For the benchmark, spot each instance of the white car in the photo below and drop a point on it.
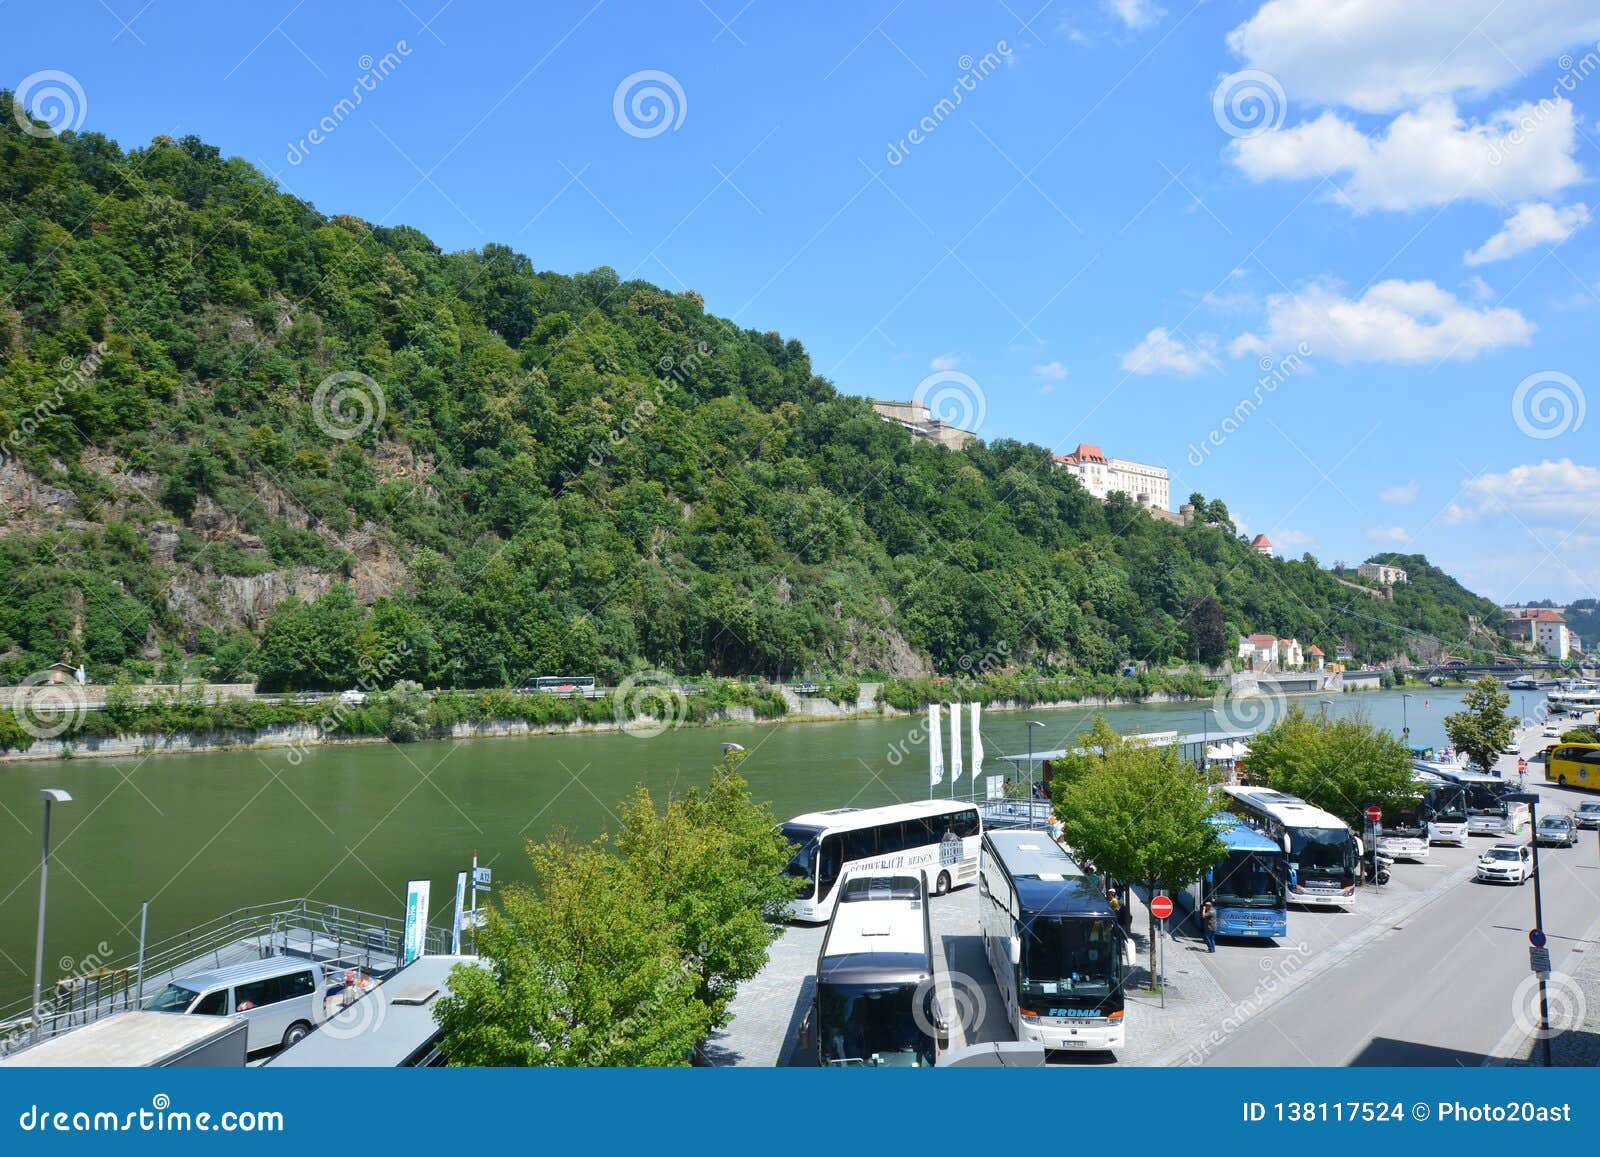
(1506, 864)
(353, 697)
(1553, 731)
(1588, 814)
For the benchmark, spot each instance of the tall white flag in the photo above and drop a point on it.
(955, 743)
(977, 744)
(935, 746)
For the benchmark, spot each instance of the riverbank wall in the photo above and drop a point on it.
(301, 736)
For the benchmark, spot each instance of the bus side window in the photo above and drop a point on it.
(860, 845)
(965, 824)
(828, 864)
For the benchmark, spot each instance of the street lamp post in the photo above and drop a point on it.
(1032, 723)
(1326, 703)
(1405, 718)
(1532, 800)
(49, 795)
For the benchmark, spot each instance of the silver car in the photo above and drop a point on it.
(281, 997)
(1588, 814)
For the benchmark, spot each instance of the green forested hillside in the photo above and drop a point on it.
(543, 473)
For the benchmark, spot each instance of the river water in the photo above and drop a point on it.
(198, 835)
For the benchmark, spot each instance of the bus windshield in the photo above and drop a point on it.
(804, 861)
(1249, 880)
(1483, 800)
(1449, 805)
(872, 1025)
(1326, 853)
(1071, 956)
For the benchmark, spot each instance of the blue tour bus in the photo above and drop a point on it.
(1249, 885)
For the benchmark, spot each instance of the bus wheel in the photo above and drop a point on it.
(941, 886)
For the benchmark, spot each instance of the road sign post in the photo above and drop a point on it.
(1532, 800)
(1160, 908)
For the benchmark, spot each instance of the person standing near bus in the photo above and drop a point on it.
(1208, 924)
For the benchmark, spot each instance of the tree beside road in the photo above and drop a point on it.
(1138, 813)
(1340, 765)
(1482, 728)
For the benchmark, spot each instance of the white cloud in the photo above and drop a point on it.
(1380, 55)
(1163, 352)
(945, 362)
(1401, 495)
(1389, 534)
(1426, 156)
(1530, 226)
(1549, 493)
(1135, 14)
(1394, 321)
(1288, 538)
(1051, 372)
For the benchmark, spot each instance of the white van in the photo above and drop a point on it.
(281, 998)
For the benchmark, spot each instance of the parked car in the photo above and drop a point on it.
(1506, 864)
(1588, 814)
(1556, 831)
(281, 997)
(353, 697)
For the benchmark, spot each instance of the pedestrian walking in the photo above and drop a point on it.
(1208, 924)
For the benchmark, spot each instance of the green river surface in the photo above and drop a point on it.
(200, 835)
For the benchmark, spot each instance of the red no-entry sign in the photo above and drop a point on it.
(1161, 907)
(1374, 814)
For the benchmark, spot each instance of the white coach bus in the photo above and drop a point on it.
(1324, 854)
(938, 838)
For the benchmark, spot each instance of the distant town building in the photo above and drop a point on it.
(1264, 652)
(1542, 628)
(1382, 574)
(919, 420)
(1261, 544)
(1102, 476)
(1317, 656)
(1290, 654)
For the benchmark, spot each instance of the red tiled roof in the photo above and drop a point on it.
(1316, 650)
(1264, 640)
(1261, 540)
(1085, 453)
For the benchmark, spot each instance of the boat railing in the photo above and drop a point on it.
(337, 937)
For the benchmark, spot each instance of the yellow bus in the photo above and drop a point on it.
(1574, 765)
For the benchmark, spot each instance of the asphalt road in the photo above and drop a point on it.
(1441, 988)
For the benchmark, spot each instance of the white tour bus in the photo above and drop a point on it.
(1487, 813)
(1324, 854)
(875, 1004)
(938, 838)
(1053, 943)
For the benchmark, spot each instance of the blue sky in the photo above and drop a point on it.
(1133, 214)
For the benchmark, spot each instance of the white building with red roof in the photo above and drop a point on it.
(1102, 476)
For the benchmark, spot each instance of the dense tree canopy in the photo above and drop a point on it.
(273, 442)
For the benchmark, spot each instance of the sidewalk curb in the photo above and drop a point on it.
(1332, 958)
(1516, 1045)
